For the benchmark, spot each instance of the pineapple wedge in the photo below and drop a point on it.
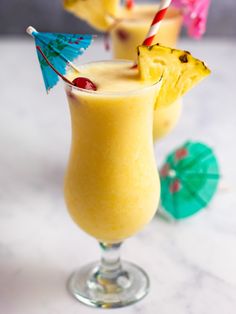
(179, 71)
(94, 12)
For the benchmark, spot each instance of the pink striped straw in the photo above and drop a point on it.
(129, 4)
(156, 23)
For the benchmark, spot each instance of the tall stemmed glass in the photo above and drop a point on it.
(111, 186)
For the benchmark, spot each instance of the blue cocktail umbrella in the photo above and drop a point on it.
(60, 50)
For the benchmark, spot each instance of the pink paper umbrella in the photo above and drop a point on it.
(195, 15)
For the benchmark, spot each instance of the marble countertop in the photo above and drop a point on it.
(192, 264)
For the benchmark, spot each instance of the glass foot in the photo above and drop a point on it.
(90, 286)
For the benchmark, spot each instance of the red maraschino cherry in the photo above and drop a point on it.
(84, 83)
(81, 82)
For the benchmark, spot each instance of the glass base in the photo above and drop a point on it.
(90, 287)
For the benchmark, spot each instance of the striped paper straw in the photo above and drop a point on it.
(164, 5)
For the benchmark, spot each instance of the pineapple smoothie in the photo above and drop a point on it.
(130, 32)
(127, 34)
(112, 185)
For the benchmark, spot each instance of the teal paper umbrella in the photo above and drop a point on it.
(56, 52)
(189, 179)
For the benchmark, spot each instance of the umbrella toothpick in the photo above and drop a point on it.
(189, 179)
(58, 50)
(31, 31)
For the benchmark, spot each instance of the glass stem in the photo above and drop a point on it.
(110, 265)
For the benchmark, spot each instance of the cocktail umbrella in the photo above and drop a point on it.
(189, 179)
(59, 50)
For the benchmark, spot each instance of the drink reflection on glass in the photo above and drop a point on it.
(112, 185)
(129, 31)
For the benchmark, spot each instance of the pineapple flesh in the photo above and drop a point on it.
(94, 12)
(178, 69)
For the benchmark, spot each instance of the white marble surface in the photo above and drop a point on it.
(192, 264)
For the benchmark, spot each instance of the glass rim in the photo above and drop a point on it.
(111, 93)
(178, 13)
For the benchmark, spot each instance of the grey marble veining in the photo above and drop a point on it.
(191, 263)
